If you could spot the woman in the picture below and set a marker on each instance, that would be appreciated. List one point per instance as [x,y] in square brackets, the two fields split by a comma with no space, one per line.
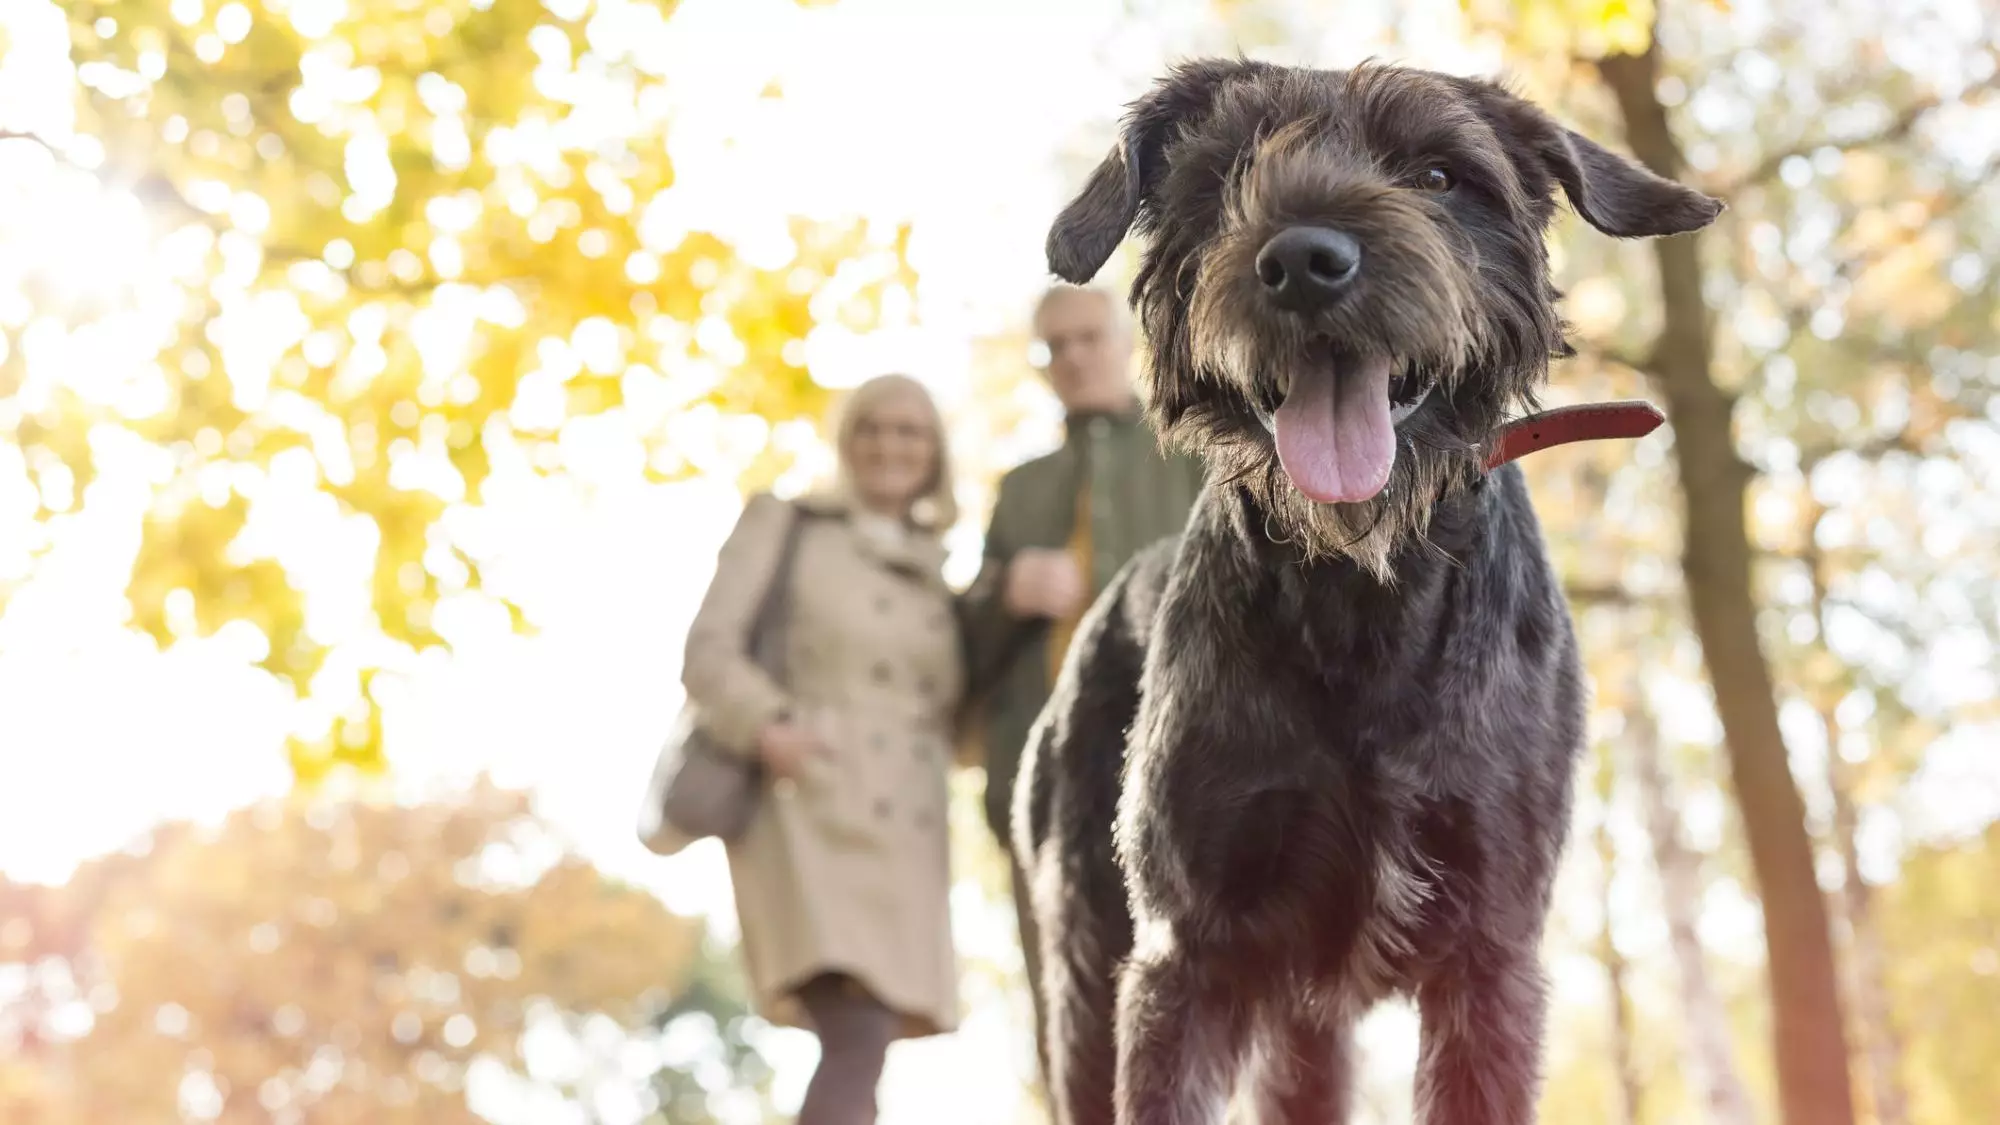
[841,878]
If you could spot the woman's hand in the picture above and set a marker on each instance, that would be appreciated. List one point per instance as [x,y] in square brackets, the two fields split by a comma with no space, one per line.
[787,748]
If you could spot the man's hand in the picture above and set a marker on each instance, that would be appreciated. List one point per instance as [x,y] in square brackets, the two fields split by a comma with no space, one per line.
[787,749]
[1043,583]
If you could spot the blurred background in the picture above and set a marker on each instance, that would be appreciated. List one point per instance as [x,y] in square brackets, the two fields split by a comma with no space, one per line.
[378,378]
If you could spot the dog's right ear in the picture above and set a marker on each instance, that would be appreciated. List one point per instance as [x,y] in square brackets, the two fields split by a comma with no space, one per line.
[1096,221]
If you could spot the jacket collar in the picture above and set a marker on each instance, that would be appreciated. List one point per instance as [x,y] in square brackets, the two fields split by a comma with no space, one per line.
[919,553]
[1076,424]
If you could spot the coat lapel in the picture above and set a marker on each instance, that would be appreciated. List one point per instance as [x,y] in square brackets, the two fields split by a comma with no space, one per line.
[919,556]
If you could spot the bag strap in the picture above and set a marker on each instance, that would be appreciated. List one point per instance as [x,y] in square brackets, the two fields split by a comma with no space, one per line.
[767,629]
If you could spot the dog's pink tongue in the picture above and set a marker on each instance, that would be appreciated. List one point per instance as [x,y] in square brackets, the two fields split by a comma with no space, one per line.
[1335,438]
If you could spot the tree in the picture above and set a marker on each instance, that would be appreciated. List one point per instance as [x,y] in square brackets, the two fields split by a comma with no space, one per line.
[1731,323]
[1868,986]
[420,250]
[1711,1061]
[1631,1087]
[1629,636]
[1691,365]
[1716,563]
[335,962]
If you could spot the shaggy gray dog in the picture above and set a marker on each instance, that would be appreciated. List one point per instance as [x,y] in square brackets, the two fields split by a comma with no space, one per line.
[1319,750]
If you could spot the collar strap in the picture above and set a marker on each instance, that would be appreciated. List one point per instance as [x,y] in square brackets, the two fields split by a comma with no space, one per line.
[1628,419]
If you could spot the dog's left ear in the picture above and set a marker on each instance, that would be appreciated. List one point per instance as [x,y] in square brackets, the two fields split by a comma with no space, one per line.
[1619,196]
[1613,193]
[1096,221]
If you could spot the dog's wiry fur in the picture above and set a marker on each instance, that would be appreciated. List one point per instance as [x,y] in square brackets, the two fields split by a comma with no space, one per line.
[1335,741]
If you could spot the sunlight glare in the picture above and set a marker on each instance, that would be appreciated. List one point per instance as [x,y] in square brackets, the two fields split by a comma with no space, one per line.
[370,177]
[315,19]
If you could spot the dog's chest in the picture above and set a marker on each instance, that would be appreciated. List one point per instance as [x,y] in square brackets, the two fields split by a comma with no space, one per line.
[1325,764]
[1287,811]
[1305,798]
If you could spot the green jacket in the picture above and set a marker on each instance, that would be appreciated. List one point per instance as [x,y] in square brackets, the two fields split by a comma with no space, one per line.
[1138,496]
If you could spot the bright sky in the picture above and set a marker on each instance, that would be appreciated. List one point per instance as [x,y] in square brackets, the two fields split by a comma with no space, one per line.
[955,116]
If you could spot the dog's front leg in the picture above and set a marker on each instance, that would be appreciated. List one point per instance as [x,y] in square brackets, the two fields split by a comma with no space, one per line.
[1480,1062]
[1181,1036]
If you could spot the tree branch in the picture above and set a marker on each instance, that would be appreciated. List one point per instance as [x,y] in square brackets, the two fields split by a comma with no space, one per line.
[148,186]
[1798,314]
[1874,449]
[1895,129]
[37,138]
[1609,594]
[155,187]
[1642,365]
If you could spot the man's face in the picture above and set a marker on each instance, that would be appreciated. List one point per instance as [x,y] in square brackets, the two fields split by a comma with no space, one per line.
[1089,354]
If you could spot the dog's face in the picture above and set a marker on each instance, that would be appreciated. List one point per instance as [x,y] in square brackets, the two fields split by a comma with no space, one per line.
[1346,284]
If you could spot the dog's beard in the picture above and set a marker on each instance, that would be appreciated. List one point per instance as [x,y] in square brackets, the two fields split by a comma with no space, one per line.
[1370,533]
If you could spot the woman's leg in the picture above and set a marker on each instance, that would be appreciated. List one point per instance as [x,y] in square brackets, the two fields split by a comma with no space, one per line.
[855,1031]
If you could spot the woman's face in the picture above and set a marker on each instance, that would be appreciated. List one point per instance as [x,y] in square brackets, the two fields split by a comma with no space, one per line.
[893,451]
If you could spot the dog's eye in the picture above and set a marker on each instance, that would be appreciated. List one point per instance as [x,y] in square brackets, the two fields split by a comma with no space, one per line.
[1437,180]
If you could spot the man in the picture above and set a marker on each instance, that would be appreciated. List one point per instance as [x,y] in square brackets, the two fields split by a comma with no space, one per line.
[1062,526]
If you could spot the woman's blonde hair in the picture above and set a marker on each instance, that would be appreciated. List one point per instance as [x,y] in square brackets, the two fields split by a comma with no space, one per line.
[936,506]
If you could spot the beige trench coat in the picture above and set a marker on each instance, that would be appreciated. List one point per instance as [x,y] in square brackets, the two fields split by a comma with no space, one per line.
[845,869]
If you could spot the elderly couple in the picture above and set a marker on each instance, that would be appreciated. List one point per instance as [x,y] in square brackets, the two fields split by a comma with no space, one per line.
[842,888]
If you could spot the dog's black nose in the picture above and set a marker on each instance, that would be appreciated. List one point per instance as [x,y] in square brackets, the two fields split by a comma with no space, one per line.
[1305,269]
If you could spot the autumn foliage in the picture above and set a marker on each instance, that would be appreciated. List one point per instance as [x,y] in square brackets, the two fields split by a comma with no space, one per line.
[411,241]
[324,962]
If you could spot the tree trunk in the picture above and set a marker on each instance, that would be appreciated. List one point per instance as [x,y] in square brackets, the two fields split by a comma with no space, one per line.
[1867,975]
[1810,1039]
[1870,987]
[1615,968]
[1712,1065]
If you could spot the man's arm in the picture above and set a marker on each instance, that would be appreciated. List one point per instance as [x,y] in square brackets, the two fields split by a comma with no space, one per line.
[990,630]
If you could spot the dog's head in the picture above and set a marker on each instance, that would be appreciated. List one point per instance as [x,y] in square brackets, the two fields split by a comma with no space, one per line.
[1345,288]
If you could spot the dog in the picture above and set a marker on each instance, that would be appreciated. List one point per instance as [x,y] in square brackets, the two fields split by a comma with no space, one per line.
[1318,750]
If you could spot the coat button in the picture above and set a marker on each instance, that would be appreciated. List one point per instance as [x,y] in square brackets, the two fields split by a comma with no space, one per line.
[881,672]
[881,810]
[883,604]
[926,685]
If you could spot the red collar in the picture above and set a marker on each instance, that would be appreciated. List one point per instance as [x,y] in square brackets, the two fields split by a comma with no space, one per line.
[1628,419]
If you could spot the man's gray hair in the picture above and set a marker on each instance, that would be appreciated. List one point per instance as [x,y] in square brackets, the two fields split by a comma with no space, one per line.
[1121,316]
